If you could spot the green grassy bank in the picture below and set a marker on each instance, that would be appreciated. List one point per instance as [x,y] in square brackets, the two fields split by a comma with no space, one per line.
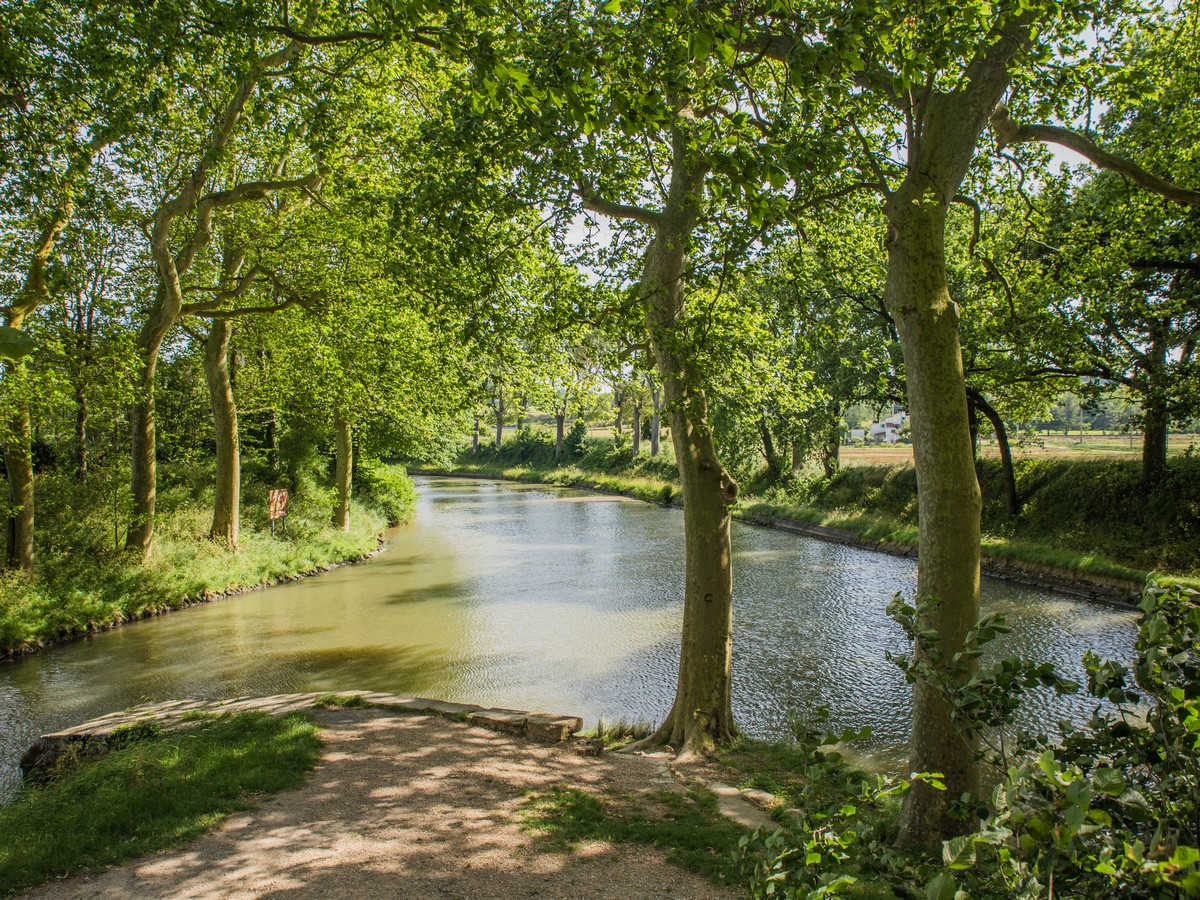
[153,791]
[84,582]
[1090,519]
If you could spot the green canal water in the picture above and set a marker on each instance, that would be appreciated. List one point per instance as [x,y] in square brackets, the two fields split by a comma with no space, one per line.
[551,599]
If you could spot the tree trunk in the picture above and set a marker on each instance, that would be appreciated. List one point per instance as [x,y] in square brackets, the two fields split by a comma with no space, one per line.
[831,449]
[560,421]
[475,438]
[797,456]
[655,420]
[1156,418]
[949,509]
[499,420]
[637,429]
[227,500]
[344,471]
[18,461]
[831,453]
[619,406]
[81,434]
[701,716]
[1155,423]
[774,464]
[1012,502]
[139,537]
[524,402]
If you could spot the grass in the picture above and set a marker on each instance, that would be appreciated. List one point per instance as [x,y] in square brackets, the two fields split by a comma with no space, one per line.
[619,733]
[339,701]
[689,828]
[84,582]
[157,791]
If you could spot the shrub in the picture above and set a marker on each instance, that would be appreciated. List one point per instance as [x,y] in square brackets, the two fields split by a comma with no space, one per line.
[387,487]
[575,443]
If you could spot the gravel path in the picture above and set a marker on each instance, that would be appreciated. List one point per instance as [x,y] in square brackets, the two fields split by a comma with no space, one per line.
[411,806]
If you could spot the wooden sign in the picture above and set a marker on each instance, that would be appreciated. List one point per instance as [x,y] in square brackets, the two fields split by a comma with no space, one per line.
[278,504]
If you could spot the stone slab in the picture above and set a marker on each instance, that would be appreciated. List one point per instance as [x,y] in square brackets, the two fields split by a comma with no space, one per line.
[91,738]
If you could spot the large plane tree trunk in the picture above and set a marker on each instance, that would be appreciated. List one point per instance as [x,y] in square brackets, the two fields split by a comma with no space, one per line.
[655,420]
[344,470]
[227,496]
[139,538]
[949,510]
[701,716]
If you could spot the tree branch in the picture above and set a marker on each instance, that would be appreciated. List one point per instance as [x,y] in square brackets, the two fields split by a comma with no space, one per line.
[1009,132]
[616,210]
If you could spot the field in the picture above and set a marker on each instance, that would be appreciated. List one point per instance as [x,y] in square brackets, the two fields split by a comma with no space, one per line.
[1088,445]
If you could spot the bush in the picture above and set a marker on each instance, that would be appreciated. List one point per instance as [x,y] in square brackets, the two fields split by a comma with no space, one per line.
[386,487]
[575,443]
[1110,810]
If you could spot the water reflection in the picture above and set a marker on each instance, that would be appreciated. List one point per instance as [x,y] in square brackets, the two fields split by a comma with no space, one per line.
[540,598]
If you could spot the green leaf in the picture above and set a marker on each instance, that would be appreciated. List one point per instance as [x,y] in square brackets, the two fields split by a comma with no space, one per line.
[14,343]
[612,7]
[959,853]
[942,887]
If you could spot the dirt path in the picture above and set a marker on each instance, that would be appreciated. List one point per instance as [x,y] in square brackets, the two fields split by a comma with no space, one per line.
[411,806]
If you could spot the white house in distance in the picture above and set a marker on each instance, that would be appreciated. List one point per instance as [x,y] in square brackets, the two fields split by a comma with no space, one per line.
[888,430]
[882,432]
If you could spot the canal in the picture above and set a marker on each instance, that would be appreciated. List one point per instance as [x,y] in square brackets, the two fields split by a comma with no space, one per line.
[543,598]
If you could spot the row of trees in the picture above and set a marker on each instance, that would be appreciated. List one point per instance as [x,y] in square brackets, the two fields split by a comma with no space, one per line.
[378,208]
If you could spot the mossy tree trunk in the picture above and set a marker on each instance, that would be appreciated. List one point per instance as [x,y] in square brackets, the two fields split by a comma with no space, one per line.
[18,463]
[344,470]
[701,716]
[943,132]
[655,420]
[1156,417]
[227,496]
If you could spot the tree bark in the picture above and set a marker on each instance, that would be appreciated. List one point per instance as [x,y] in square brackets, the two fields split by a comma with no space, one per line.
[521,406]
[950,504]
[619,406]
[774,463]
[637,429]
[943,133]
[18,462]
[1012,501]
[499,420]
[655,420]
[475,438]
[701,716]
[81,434]
[344,470]
[831,448]
[560,420]
[139,537]
[1155,425]
[1156,418]
[227,496]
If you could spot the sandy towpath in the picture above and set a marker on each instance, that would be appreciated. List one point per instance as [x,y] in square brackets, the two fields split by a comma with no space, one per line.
[405,805]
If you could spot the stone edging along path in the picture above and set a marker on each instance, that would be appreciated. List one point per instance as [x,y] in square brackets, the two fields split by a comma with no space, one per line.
[94,738]
[1114,591]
